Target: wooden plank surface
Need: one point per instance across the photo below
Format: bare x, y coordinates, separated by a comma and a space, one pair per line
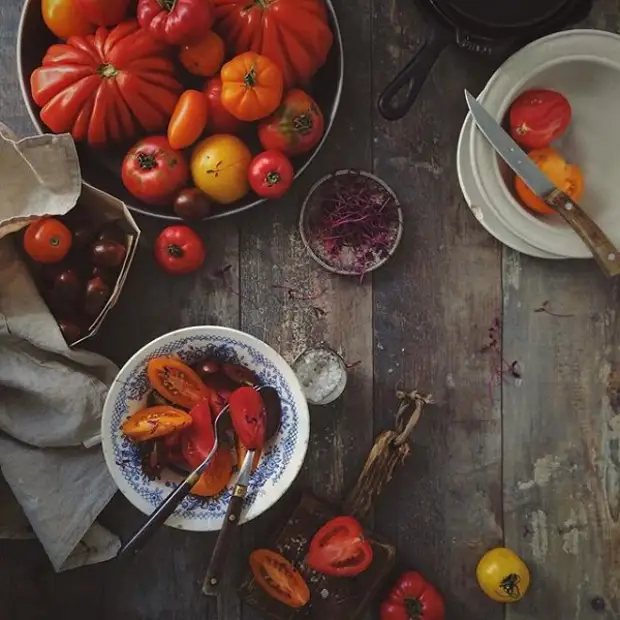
533, 464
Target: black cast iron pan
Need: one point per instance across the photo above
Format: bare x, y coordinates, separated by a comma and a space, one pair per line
482, 26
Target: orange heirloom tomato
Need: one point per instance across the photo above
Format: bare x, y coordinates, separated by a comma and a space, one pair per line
219, 167
217, 476
204, 57
189, 119
154, 422
65, 19
252, 86
47, 240
176, 382
566, 176
279, 578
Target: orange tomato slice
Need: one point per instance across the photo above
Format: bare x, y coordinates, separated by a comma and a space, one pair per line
279, 578
176, 382
154, 422
217, 476
566, 176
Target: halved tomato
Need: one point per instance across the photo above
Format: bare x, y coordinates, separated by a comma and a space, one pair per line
340, 549
176, 382
154, 422
279, 578
217, 476
249, 417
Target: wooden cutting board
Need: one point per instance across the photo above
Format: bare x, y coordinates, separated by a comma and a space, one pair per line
333, 598
330, 597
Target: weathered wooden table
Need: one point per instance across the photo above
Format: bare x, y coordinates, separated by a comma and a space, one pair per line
533, 463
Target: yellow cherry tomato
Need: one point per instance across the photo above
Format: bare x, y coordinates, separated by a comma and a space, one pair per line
204, 57
65, 19
502, 575
219, 167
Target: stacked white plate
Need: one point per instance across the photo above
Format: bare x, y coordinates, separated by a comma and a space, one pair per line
583, 65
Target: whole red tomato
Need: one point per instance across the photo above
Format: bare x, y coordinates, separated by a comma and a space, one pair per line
270, 174
104, 12
179, 250
176, 22
153, 171
47, 240
537, 117
219, 119
413, 597
295, 127
108, 87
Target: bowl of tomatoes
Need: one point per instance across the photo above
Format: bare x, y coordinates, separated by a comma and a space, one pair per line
201, 95
157, 423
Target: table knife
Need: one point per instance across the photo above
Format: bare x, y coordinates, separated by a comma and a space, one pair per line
213, 578
603, 250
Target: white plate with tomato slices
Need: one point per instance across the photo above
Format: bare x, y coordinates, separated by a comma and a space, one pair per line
584, 66
282, 456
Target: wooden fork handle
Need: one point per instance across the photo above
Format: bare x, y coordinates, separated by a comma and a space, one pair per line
604, 251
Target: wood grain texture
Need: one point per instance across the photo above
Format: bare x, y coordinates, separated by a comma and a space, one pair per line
561, 428
433, 305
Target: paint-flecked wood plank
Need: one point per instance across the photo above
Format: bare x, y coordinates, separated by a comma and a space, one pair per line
272, 254
433, 305
562, 429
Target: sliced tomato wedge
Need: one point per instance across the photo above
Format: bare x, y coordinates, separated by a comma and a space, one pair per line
217, 476
176, 382
249, 417
340, 549
198, 441
279, 578
154, 422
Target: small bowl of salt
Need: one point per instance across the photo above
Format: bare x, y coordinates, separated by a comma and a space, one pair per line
322, 374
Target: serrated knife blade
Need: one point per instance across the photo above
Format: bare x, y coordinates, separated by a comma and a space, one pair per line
508, 149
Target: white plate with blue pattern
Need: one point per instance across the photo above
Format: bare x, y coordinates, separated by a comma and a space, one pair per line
283, 455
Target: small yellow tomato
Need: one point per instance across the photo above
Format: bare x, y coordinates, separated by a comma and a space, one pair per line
502, 575
219, 167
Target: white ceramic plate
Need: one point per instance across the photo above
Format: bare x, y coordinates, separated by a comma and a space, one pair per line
584, 65
477, 203
283, 455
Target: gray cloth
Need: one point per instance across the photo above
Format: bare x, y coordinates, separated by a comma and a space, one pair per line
51, 397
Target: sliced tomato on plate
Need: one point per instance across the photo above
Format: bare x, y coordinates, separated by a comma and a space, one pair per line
279, 578
340, 549
154, 422
198, 441
249, 417
217, 476
176, 382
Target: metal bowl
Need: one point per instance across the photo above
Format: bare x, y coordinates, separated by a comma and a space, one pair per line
101, 168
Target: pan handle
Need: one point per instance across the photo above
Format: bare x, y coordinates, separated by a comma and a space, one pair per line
412, 75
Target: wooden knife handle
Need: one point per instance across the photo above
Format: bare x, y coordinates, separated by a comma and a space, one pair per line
606, 254
211, 584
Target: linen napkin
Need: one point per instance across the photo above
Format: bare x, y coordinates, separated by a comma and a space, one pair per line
51, 397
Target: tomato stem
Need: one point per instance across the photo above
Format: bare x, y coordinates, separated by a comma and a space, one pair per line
414, 608
272, 178
54, 242
302, 123
250, 78
175, 251
106, 70
146, 161
167, 5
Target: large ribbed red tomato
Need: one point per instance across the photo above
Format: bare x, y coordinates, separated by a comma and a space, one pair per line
106, 87
293, 33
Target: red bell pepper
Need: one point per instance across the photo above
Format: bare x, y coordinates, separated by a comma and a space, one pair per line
413, 598
176, 22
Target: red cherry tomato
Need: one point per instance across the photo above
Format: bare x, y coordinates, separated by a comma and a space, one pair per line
47, 240
340, 549
537, 117
219, 119
248, 415
153, 171
270, 174
179, 250
413, 594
